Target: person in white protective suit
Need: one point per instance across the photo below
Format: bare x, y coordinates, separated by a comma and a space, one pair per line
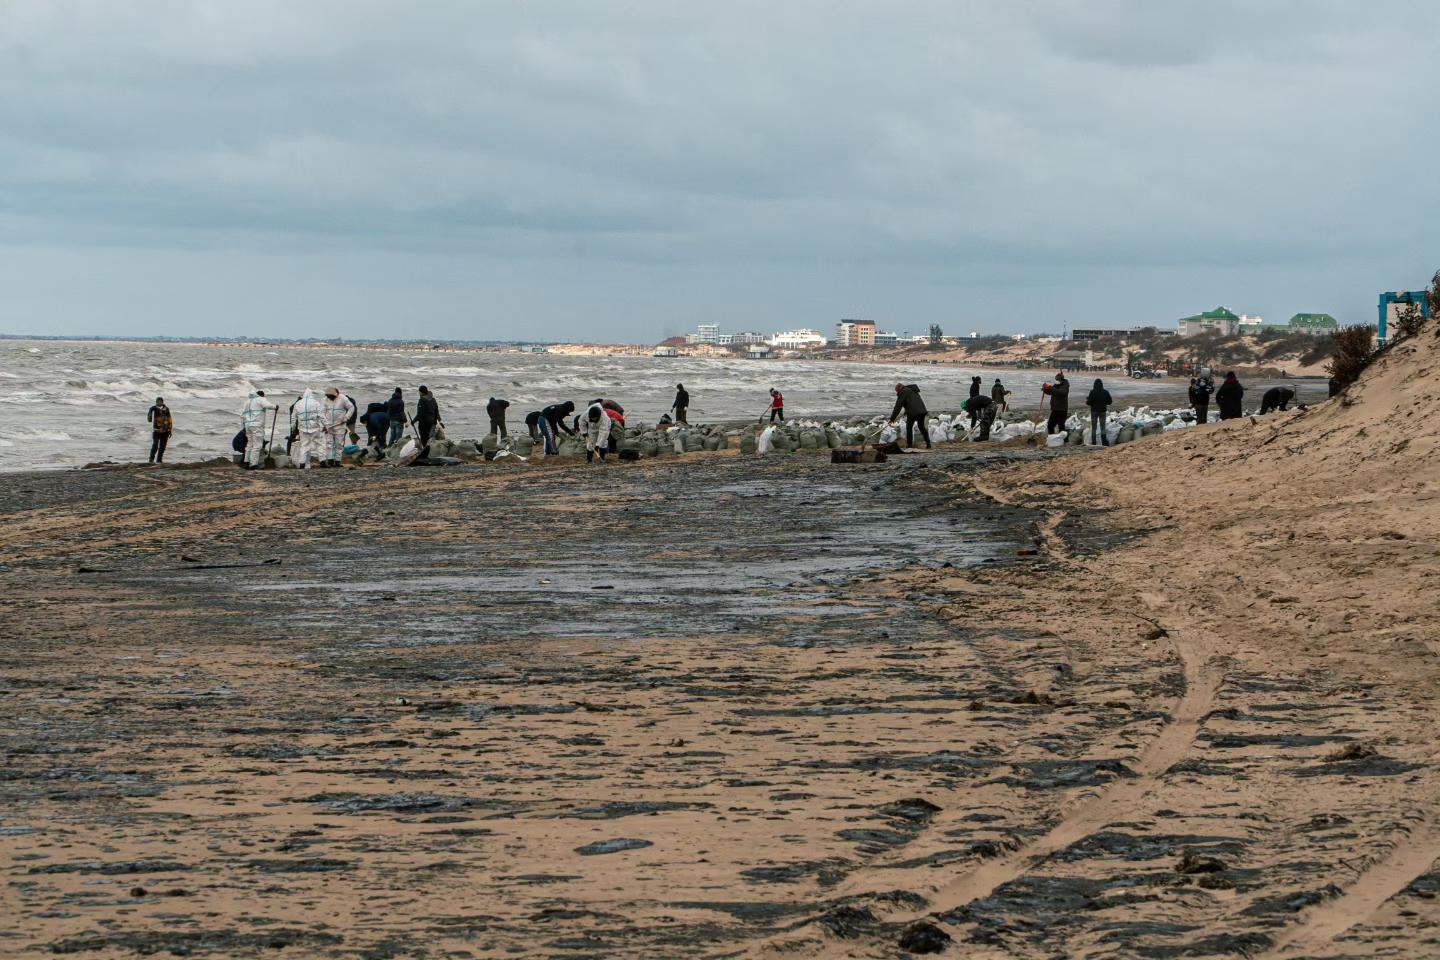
254, 420
308, 422
598, 432
338, 410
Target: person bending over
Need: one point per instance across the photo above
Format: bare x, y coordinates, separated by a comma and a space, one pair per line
907, 398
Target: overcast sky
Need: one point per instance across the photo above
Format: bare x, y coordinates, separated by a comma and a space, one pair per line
625, 170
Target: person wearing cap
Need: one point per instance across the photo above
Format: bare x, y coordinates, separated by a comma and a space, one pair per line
338, 411
161, 426
254, 418
907, 398
998, 393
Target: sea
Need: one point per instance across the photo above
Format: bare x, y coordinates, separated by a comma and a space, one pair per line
69, 403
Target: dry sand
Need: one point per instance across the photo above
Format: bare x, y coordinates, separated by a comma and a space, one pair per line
1173, 699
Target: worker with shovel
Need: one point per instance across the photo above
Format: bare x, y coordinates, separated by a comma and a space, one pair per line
777, 406
907, 397
254, 418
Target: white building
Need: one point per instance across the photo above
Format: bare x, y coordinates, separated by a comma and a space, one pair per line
749, 339
886, 339
705, 333
802, 339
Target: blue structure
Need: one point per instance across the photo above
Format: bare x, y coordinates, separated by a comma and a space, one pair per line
1402, 297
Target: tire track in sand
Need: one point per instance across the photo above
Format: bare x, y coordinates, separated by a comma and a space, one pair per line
1322, 924
1117, 800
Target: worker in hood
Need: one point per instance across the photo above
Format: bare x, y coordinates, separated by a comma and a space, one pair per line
427, 416
339, 409
553, 424
1229, 396
307, 422
162, 424
377, 424
1276, 398
682, 402
907, 398
982, 408
998, 393
599, 432
1098, 400
496, 410
254, 420
395, 410
1059, 394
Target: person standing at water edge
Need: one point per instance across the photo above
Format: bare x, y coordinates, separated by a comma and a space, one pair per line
395, 409
161, 426
908, 398
777, 405
254, 418
307, 422
427, 415
998, 393
1059, 393
975, 388
495, 410
1200, 392
1229, 396
682, 401
1098, 400
338, 411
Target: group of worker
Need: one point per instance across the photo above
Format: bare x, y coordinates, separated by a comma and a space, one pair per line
322, 426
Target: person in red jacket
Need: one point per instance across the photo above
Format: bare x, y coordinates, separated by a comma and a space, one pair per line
777, 405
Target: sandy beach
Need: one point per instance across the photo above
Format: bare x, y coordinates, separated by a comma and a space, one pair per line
1173, 699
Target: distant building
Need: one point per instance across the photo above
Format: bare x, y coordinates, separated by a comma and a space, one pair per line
1316, 323
663, 351
758, 351
802, 339
1086, 334
748, 339
705, 333
1391, 303
886, 339
1219, 320
855, 333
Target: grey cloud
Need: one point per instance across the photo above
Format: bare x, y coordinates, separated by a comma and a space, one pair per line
832, 146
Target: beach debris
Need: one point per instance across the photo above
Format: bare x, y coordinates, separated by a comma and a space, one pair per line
1192, 863
618, 845
923, 937
847, 922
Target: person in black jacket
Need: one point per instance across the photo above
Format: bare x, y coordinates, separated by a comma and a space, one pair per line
554, 417
1059, 393
377, 425
495, 409
1098, 400
1229, 396
985, 408
682, 400
1276, 398
427, 415
395, 407
1201, 390
907, 397
975, 388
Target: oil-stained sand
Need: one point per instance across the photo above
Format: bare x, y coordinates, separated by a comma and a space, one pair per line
699, 707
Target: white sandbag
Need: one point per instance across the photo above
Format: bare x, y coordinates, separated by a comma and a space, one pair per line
409, 453
766, 441
1056, 440
940, 434
889, 435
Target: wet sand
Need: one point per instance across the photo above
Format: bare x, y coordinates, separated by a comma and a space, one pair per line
708, 706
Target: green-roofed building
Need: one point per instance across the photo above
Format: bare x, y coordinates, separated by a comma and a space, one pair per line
1314, 323
1220, 320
